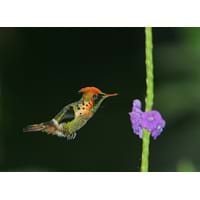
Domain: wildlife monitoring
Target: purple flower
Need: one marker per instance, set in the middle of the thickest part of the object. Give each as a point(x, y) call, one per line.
point(152, 120)
point(135, 116)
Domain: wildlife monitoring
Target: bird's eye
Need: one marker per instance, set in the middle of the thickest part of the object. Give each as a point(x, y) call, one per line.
point(95, 96)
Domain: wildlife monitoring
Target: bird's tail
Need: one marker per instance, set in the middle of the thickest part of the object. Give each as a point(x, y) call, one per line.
point(49, 127)
point(35, 127)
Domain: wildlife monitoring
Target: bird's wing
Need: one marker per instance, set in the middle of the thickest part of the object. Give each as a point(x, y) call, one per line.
point(66, 114)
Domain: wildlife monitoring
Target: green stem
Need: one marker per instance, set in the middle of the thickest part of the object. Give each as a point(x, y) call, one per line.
point(149, 96)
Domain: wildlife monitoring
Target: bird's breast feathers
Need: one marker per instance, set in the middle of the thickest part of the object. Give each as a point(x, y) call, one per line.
point(84, 109)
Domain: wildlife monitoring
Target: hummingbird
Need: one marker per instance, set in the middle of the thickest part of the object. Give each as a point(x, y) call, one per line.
point(74, 115)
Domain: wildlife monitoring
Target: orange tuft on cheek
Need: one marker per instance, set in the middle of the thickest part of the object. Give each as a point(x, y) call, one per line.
point(85, 110)
point(90, 104)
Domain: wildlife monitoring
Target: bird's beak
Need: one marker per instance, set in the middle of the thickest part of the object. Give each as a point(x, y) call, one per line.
point(110, 95)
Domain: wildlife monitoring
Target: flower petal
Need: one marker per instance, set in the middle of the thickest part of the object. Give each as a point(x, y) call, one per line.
point(152, 120)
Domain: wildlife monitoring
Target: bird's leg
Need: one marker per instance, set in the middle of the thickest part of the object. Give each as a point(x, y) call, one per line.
point(71, 136)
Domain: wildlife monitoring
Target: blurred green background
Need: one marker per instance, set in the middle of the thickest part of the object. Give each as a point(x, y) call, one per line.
point(43, 68)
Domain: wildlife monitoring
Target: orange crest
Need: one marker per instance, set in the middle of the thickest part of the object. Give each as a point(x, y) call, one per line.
point(93, 90)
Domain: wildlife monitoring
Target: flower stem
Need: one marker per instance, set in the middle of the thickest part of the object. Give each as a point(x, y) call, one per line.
point(149, 96)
